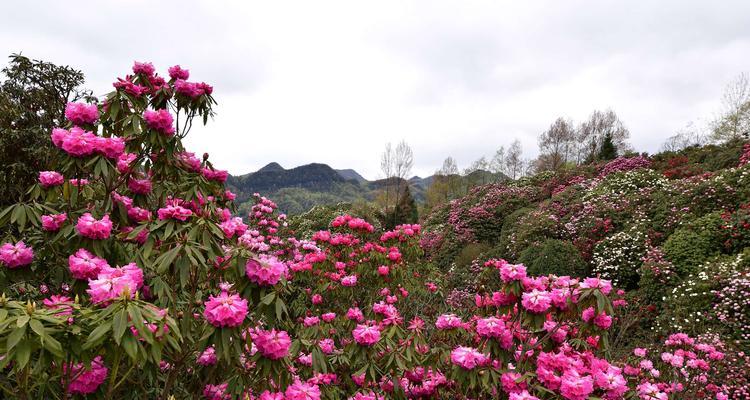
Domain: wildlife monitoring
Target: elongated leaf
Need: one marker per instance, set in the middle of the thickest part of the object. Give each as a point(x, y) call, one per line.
point(97, 334)
point(15, 337)
point(119, 325)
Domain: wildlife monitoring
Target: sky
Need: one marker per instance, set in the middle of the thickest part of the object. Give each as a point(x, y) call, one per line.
point(334, 81)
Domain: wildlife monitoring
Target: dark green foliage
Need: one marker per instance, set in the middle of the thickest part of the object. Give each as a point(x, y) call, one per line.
point(607, 151)
point(690, 246)
point(33, 96)
point(319, 217)
point(406, 210)
point(470, 253)
point(711, 157)
point(554, 256)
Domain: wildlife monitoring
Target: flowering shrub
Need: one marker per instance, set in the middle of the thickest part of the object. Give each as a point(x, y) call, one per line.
point(622, 164)
point(618, 257)
point(149, 287)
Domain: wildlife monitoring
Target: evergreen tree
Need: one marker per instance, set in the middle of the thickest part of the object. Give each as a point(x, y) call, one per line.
point(406, 210)
point(33, 97)
point(608, 151)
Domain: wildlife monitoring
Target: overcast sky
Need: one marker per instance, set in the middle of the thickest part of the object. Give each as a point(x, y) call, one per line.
point(333, 81)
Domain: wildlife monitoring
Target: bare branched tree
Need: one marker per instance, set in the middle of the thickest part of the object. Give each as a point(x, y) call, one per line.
point(734, 120)
point(599, 125)
point(556, 145)
point(497, 164)
point(513, 160)
point(403, 162)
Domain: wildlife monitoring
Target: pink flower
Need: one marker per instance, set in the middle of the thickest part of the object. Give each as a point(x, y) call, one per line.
point(302, 391)
point(160, 121)
point(176, 72)
point(366, 335)
point(604, 286)
point(138, 214)
point(492, 327)
point(225, 310)
point(317, 299)
point(217, 392)
point(536, 301)
point(448, 321)
point(271, 344)
point(467, 357)
point(603, 320)
point(349, 281)
point(111, 283)
point(139, 186)
point(265, 271)
point(79, 143)
point(215, 175)
point(16, 255)
point(50, 178)
point(573, 386)
point(81, 113)
point(125, 161)
point(92, 228)
point(145, 68)
point(61, 303)
point(189, 89)
point(53, 222)
point(208, 357)
point(174, 212)
point(327, 346)
point(383, 270)
point(110, 147)
point(511, 272)
point(86, 379)
point(84, 265)
point(355, 314)
point(522, 395)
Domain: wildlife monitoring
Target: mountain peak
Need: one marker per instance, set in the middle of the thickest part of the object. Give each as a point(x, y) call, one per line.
point(350, 174)
point(272, 167)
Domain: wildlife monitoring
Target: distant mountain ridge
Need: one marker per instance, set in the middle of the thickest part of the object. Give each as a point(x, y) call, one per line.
point(298, 189)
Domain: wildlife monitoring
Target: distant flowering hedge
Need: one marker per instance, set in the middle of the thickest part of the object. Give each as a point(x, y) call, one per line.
point(126, 275)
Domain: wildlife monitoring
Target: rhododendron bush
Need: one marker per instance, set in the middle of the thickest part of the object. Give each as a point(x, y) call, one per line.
point(126, 275)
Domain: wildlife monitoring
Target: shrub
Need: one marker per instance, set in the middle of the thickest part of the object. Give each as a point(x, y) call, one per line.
point(691, 245)
point(554, 256)
point(618, 257)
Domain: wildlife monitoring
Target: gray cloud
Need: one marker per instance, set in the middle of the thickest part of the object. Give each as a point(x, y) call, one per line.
point(331, 82)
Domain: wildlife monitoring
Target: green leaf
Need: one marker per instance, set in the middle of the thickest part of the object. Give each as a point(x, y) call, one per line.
point(130, 344)
point(23, 353)
point(22, 320)
point(15, 337)
point(267, 299)
point(97, 334)
point(119, 325)
point(38, 328)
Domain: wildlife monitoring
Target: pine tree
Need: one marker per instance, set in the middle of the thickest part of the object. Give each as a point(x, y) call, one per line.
point(608, 151)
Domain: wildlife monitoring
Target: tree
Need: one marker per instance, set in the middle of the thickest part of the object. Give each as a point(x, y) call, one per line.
point(513, 160)
point(497, 164)
point(476, 173)
point(445, 185)
point(556, 145)
point(607, 150)
point(406, 210)
point(592, 132)
point(33, 97)
point(403, 163)
point(386, 167)
point(734, 121)
point(396, 166)
point(690, 135)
